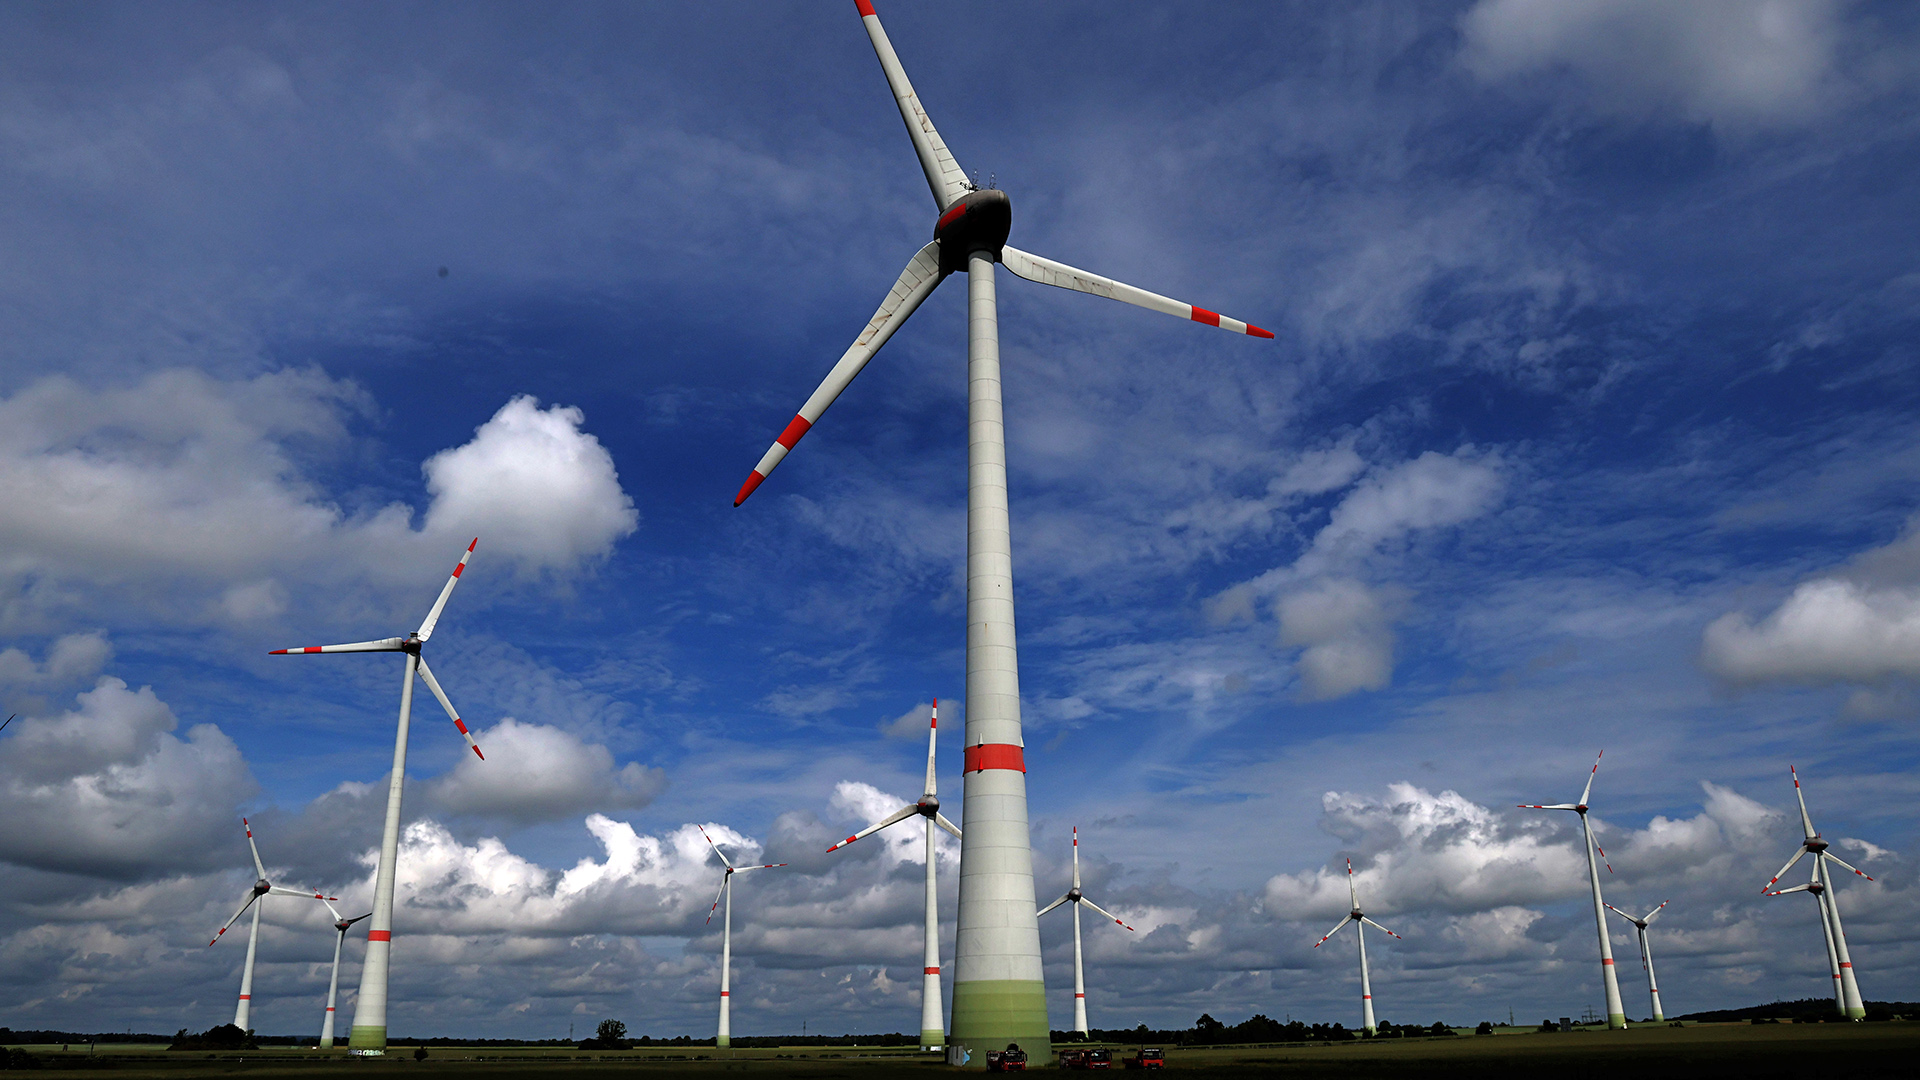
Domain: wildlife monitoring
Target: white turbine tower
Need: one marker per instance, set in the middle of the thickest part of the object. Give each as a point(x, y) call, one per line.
point(1646, 953)
point(1829, 901)
point(999, 996)
point(261, 887)
point(726, 935)
point(933, 1031)
point(1616, 1013)
point(341, 924)
point(369, 1033)
point(1360, 923)
point(1817, 888)
point(1075, 897)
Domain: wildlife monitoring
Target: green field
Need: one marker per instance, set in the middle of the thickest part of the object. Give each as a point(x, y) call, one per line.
point(1704, 1050)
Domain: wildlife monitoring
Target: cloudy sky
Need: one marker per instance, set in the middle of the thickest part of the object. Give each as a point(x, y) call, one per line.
point(1590, 423)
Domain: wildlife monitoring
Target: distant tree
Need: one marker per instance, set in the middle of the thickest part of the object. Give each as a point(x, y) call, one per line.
point(1208, 1030)
point(610, 1031)
point(1439, 1028)
point(1485, 1028)
point(419, 1053)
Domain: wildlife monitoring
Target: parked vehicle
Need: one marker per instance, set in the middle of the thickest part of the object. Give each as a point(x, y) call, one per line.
point(1099, 1058)
point(1147, 1057)
point(1012, 1059)
point(1073, 1059)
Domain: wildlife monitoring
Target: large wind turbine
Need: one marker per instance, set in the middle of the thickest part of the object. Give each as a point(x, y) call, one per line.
point(1646, 953)
point(1829, 899)
point(369, 1033)
point(726, 935)
point(1360, 923)
point(1817, 888)
point(1075, 897)
point(998, 993)
point(933, 1031)
point(1616, 1013)
point(341, 924)
point(261, 887)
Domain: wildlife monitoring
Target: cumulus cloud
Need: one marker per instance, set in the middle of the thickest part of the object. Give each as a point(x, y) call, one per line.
point(1429, 492)
point(540, 773)
point(1345, 632)
point(1739, 62)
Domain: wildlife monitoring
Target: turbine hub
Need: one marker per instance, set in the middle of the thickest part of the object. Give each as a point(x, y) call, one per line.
point(1816, 888)
point(1581, 809)
point(1074, 895)
point(261, 887)
point(928, 805)
point(343, 926)
point(980, 221)
point(411, 644)
point(1816, 845)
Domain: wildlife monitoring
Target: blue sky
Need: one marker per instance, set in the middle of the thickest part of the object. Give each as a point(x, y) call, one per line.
point(1589, 424)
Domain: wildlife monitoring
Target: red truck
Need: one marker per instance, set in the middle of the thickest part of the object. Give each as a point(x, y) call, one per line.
point(1012, 1059)
point(1147, 1057)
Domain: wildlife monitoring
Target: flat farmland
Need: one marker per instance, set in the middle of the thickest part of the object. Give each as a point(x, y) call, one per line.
point(1693, 1052)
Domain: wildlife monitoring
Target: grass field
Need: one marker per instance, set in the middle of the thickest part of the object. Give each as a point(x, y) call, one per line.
point(1704, 1050)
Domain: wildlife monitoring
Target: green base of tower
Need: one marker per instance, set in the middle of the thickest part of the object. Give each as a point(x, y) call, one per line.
point(1617, 1021)
point(1856, 1014)
point(722, 1042)
point(367, 1040)
point(990, 1013)
point(932, 1038)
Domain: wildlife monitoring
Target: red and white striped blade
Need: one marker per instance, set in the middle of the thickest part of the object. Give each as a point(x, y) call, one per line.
point(391, 644)
point(1335, 930)
point(716, 849)
point(1554, 806)
point(1380, 928)
point(944, 175)
point(1590, 776)
point(426, 628)
point(1064, 897)
point(940, 819)
point(328, 900)
point(247, 903)
point(1806, 822)
point(433, 684)
point(1783, 870)
point(724, 878)
point(762, 866)
point(1783, 892)
point(308, 893)
point(1353, 893)
point(901, 814)
point(933, 737)
point(1047, 272)
point(1105, 912)
point(1655, 913)
point(1603, 855)
point(1076, 856)
point(1832, 858)
point(259, 870)
point(1620, 913)
point(914, 285)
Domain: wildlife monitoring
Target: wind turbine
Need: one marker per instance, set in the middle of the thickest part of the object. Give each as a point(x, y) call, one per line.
point(1360, 923)
point(1829, 900)
point(726, 935)
point(1616, 1013)
point(369, 1033)
point(1646, 952)
point(261, 887)
point(933, 1031)
point(342, 924)
point(1075, 897)
point(999, 996)
point(1817, 888)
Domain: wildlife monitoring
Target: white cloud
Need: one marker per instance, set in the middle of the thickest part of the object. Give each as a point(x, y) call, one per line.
point(1736, 62)
point(1346, 632)
point(1829, 630)
point(1431, 491)
point(535, 772)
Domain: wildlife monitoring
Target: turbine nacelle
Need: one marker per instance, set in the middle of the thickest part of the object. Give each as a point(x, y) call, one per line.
point(1816, 845)
point(979, 221)
point(928, 806)
point(262, 887)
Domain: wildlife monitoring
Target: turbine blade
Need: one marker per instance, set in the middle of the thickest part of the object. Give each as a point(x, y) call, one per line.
point(336, 911)
point(901, 814)
point(1783, 870)
point(357, 918)
point(933, 737)
point(1623, 914)
point(717, 896)
point(944, 175)
point(426, 628)
point(392, 644)
point(941, 820)
point(1352, 892)
point(1603, 855)
point(1105, 912)
point(915, 284)
point(762, 866)
point(716, 848)
point(1055, 904)
point(308, 893)
point(1831, 857)
point(1806, 822)
point(433, 684)
point(1655, 913)
point(258, 870)
point(1555, 806)
point(218, 934)
point(1076, 856)
point(10, 720)
point(1380, 928)
point(1060, 275)
point(1596, 772)
point(1335, 930)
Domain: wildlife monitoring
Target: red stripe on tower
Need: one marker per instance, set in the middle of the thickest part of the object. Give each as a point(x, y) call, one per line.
point(994, 756)
point(1211, 318)
point(1846, 963)
point(1606, 961)
point(379, 935)
point(726, 993)
point(933, 971)
point(1079, 995)
point(800, 426)
point(246, 997)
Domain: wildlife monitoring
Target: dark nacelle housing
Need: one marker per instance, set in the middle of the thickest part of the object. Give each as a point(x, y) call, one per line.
point(980, 221)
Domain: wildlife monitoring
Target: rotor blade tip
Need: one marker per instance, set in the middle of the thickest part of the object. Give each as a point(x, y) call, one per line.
point(753, 481)
point(478, 754)
point(1257, 332)
point(475, 544)
point(865, 7)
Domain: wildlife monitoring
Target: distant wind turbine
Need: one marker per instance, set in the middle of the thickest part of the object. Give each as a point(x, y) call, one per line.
point(1360, 923)
point(1817, 888)
point(261, 887)
point(933, 1030)
point(1075, 897)
point(999, 994)
point(1616, 1013)
point(1646, 952)
point(369, 1034)
point(1814, 845)
point(726, 935)
point(341, 925)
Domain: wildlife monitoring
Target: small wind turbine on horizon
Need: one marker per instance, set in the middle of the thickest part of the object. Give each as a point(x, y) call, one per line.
point(261, 887)
point(725, 1037)
point(999, 991)
point(1075, 897)
point(1822, 889)
point(369, 1033)
point(933, 1030)
point(1616, 1013)
point(1360, 923)
point(1646, 952)
point(341, 924)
